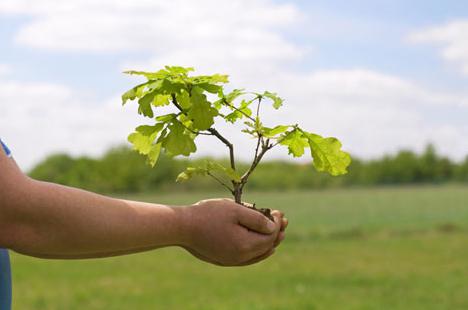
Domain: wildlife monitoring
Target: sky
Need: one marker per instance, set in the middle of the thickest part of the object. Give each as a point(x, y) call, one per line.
point(380, 75)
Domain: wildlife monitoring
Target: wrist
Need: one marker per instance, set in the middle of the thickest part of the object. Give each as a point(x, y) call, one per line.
point(184, 225)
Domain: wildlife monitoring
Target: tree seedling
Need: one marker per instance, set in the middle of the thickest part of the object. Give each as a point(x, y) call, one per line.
point(198, 103)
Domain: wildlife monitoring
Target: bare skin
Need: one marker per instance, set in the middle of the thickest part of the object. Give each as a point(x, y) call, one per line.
point(52, 221)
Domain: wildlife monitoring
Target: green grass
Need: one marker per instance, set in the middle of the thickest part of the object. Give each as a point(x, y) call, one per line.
point(389, 248)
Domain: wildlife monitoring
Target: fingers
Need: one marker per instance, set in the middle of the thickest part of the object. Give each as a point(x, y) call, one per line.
point(280, 238)
point(256, 221)
point(284, 224)
point(261, 243)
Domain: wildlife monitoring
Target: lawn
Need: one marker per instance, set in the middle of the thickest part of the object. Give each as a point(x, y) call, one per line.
point(388, 248)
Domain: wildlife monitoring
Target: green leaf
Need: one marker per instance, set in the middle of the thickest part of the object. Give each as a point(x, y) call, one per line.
point(211, 88)
point(179, 69)
point(277, 101)
point(145, 105)
point(227, 171)
point(271, 132)
point(161, 100)
point(166, 118)
point(129, 95)
point(295, 141)
point(183, 98)
point(327, 154)
point(143, 141)
point(153, 154)
point(177, 141)
point(191, 172)
point(234, 95)
point(149, 75)
point(239, 112)
point(169, 87)
point(135, 92)
point(202, 113)
point(148, 130)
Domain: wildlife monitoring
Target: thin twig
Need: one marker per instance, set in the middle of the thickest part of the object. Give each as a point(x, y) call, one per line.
point(176, 103)
point(214, 132)
point(238, 110)
point(220, 182)
point(196, 132)
point(258, 106)
point(246, 175)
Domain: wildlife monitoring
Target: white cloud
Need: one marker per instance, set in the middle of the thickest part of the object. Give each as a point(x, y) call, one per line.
point(157, 26)
point(371, 112)
point(39, 118)
point(4, 69)
point(452, 39)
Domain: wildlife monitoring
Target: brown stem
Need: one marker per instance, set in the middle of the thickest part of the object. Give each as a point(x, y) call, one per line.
point(237, 191)
point(265, 147)
point(215, 133)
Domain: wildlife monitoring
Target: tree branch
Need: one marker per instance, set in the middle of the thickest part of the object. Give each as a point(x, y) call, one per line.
point(215, 133)
point(176, 103)
point(257, 159)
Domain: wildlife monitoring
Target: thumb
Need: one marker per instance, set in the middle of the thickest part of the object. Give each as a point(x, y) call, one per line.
point(255, 221)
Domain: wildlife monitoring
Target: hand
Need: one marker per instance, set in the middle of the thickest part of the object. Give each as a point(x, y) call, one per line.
point(224, 233)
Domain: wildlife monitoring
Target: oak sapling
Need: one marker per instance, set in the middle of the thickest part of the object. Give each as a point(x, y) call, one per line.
point(195, 113)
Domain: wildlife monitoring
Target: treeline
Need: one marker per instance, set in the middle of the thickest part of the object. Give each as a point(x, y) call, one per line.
point(123, 170)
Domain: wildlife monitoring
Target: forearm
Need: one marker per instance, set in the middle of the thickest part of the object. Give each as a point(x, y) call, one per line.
point(54, 221)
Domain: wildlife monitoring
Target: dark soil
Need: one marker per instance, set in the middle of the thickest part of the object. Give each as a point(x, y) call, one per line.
point(264, 211)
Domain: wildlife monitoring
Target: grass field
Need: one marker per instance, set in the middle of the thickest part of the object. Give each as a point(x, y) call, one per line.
point(391, 248)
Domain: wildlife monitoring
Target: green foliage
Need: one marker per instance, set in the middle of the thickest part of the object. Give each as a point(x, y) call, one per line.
point(198, 102)
point(327, 154)
point(209, 167)
point(121, 170)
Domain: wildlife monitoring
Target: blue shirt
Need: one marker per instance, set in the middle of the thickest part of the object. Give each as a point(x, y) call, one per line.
point(5, 273)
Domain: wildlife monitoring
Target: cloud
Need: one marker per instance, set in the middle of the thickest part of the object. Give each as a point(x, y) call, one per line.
point(371, 112)
point(157, 26)
point(4, 69)
point(452, 38)
point(39, 118)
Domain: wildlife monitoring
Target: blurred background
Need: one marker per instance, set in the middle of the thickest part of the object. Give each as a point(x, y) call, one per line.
point(386, 77)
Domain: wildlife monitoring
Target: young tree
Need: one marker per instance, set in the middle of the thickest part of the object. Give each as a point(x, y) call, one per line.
point(195, 114)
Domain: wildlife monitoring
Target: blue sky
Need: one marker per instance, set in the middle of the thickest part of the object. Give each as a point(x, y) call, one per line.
point(353, 69)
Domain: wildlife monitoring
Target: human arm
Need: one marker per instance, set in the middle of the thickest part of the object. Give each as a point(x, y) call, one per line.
point(53, 221)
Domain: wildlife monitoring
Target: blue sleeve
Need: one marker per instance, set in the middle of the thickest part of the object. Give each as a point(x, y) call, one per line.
point(5, 272)
point(5, 280)
point(5, 148)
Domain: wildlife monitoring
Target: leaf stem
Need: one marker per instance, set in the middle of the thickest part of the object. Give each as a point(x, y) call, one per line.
point(220, 182)
point(258, 106)
point(238, 110)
